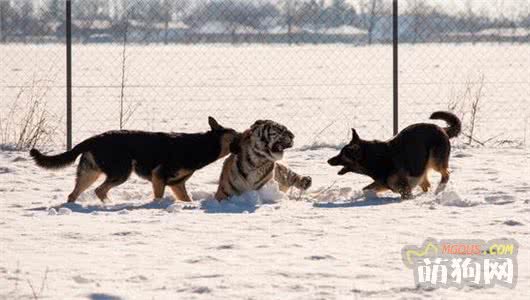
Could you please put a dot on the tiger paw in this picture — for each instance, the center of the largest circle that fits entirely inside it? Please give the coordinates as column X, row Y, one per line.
column 305, row 182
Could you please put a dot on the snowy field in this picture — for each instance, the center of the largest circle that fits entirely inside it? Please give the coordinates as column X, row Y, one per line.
column 318, row 91
column 331, row 242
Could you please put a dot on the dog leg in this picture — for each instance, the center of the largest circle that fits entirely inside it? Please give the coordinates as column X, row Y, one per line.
column 404, row 188
column 109, row 183
column 406, row 194
column 83, row 181
column 87, row 174
column 375, row 186
column 158, row 183
column 443, row 182
column 179, row 190
column 399, row 183
column 118, row 174
column 425, row 184
column 178, row 187
column 103, row 190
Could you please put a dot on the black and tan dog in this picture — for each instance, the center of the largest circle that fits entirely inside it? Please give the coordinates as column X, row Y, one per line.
column 402, row 163
column 162, row 158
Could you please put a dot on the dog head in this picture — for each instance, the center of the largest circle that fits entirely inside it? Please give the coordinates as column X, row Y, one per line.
column 269, row 138
column 229, row 137
column 350, row 156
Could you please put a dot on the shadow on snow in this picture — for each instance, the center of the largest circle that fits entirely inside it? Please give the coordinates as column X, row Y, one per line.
column 359, row 202
column 164, row 203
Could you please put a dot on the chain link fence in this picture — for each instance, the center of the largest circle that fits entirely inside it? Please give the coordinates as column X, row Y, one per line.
column 319, row 67
column 474, row 60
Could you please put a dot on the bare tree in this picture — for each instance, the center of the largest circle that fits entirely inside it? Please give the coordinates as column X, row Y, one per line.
column 25, row 21
column 6, row 13
column 166, row 15
column 469, row 16
column 420, row 13
column 318, row 15
column 339, row 13
column 234, row 14
column 371, row 11
column 289, row 8
column 509, row 20
column 473, row 20
column 87, row 13
column 172, row 10
column 54, row 11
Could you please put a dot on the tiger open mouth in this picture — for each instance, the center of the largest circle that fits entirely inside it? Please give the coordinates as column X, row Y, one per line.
column 282, row 145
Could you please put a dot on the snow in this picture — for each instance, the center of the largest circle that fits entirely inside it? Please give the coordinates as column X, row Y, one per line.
column 317, row 91
column 331, row 242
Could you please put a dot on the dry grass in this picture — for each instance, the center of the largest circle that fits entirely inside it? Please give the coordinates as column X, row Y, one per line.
column 126, row 111
column 26, row 123
column 466, row 105
column 16, row 293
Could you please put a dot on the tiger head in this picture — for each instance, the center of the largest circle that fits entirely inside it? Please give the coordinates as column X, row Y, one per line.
column 269, row 139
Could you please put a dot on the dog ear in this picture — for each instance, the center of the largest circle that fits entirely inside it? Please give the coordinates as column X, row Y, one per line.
column 354, row 137
column 214, row 124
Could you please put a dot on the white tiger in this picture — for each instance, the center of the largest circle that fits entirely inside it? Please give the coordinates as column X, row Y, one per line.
column 254, row 163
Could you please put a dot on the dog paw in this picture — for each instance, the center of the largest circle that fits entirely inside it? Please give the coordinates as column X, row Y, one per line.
column 440, row 188
column 368, row 193
column 305, row 182
column 406, row 196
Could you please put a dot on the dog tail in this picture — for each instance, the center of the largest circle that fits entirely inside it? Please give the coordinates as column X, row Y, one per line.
column 60, row 160
column 455, row 126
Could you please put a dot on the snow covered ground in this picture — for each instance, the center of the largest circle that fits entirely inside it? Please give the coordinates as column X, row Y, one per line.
column 328, row 243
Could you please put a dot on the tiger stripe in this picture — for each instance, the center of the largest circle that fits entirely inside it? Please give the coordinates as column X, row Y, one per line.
column 255, row 163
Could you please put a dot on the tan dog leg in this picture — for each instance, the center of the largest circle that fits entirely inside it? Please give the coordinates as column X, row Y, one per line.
column 399, row 183
column 103, row 190
column 158, row 183
column 179, row 190
column 425, row 184
column 109, row 183
column 443, row 182
column 375, row 186
column 82, row 182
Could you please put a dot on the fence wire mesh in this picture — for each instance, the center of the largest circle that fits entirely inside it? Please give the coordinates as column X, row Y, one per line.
column 319, row 67
column 474, row 62
column 32, row 74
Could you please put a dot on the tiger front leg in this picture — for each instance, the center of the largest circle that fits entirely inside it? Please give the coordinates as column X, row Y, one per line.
column 287, row 178
column 304, row 183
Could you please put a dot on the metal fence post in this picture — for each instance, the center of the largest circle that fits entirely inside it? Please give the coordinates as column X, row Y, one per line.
column 68, row 74
column 395, row 34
